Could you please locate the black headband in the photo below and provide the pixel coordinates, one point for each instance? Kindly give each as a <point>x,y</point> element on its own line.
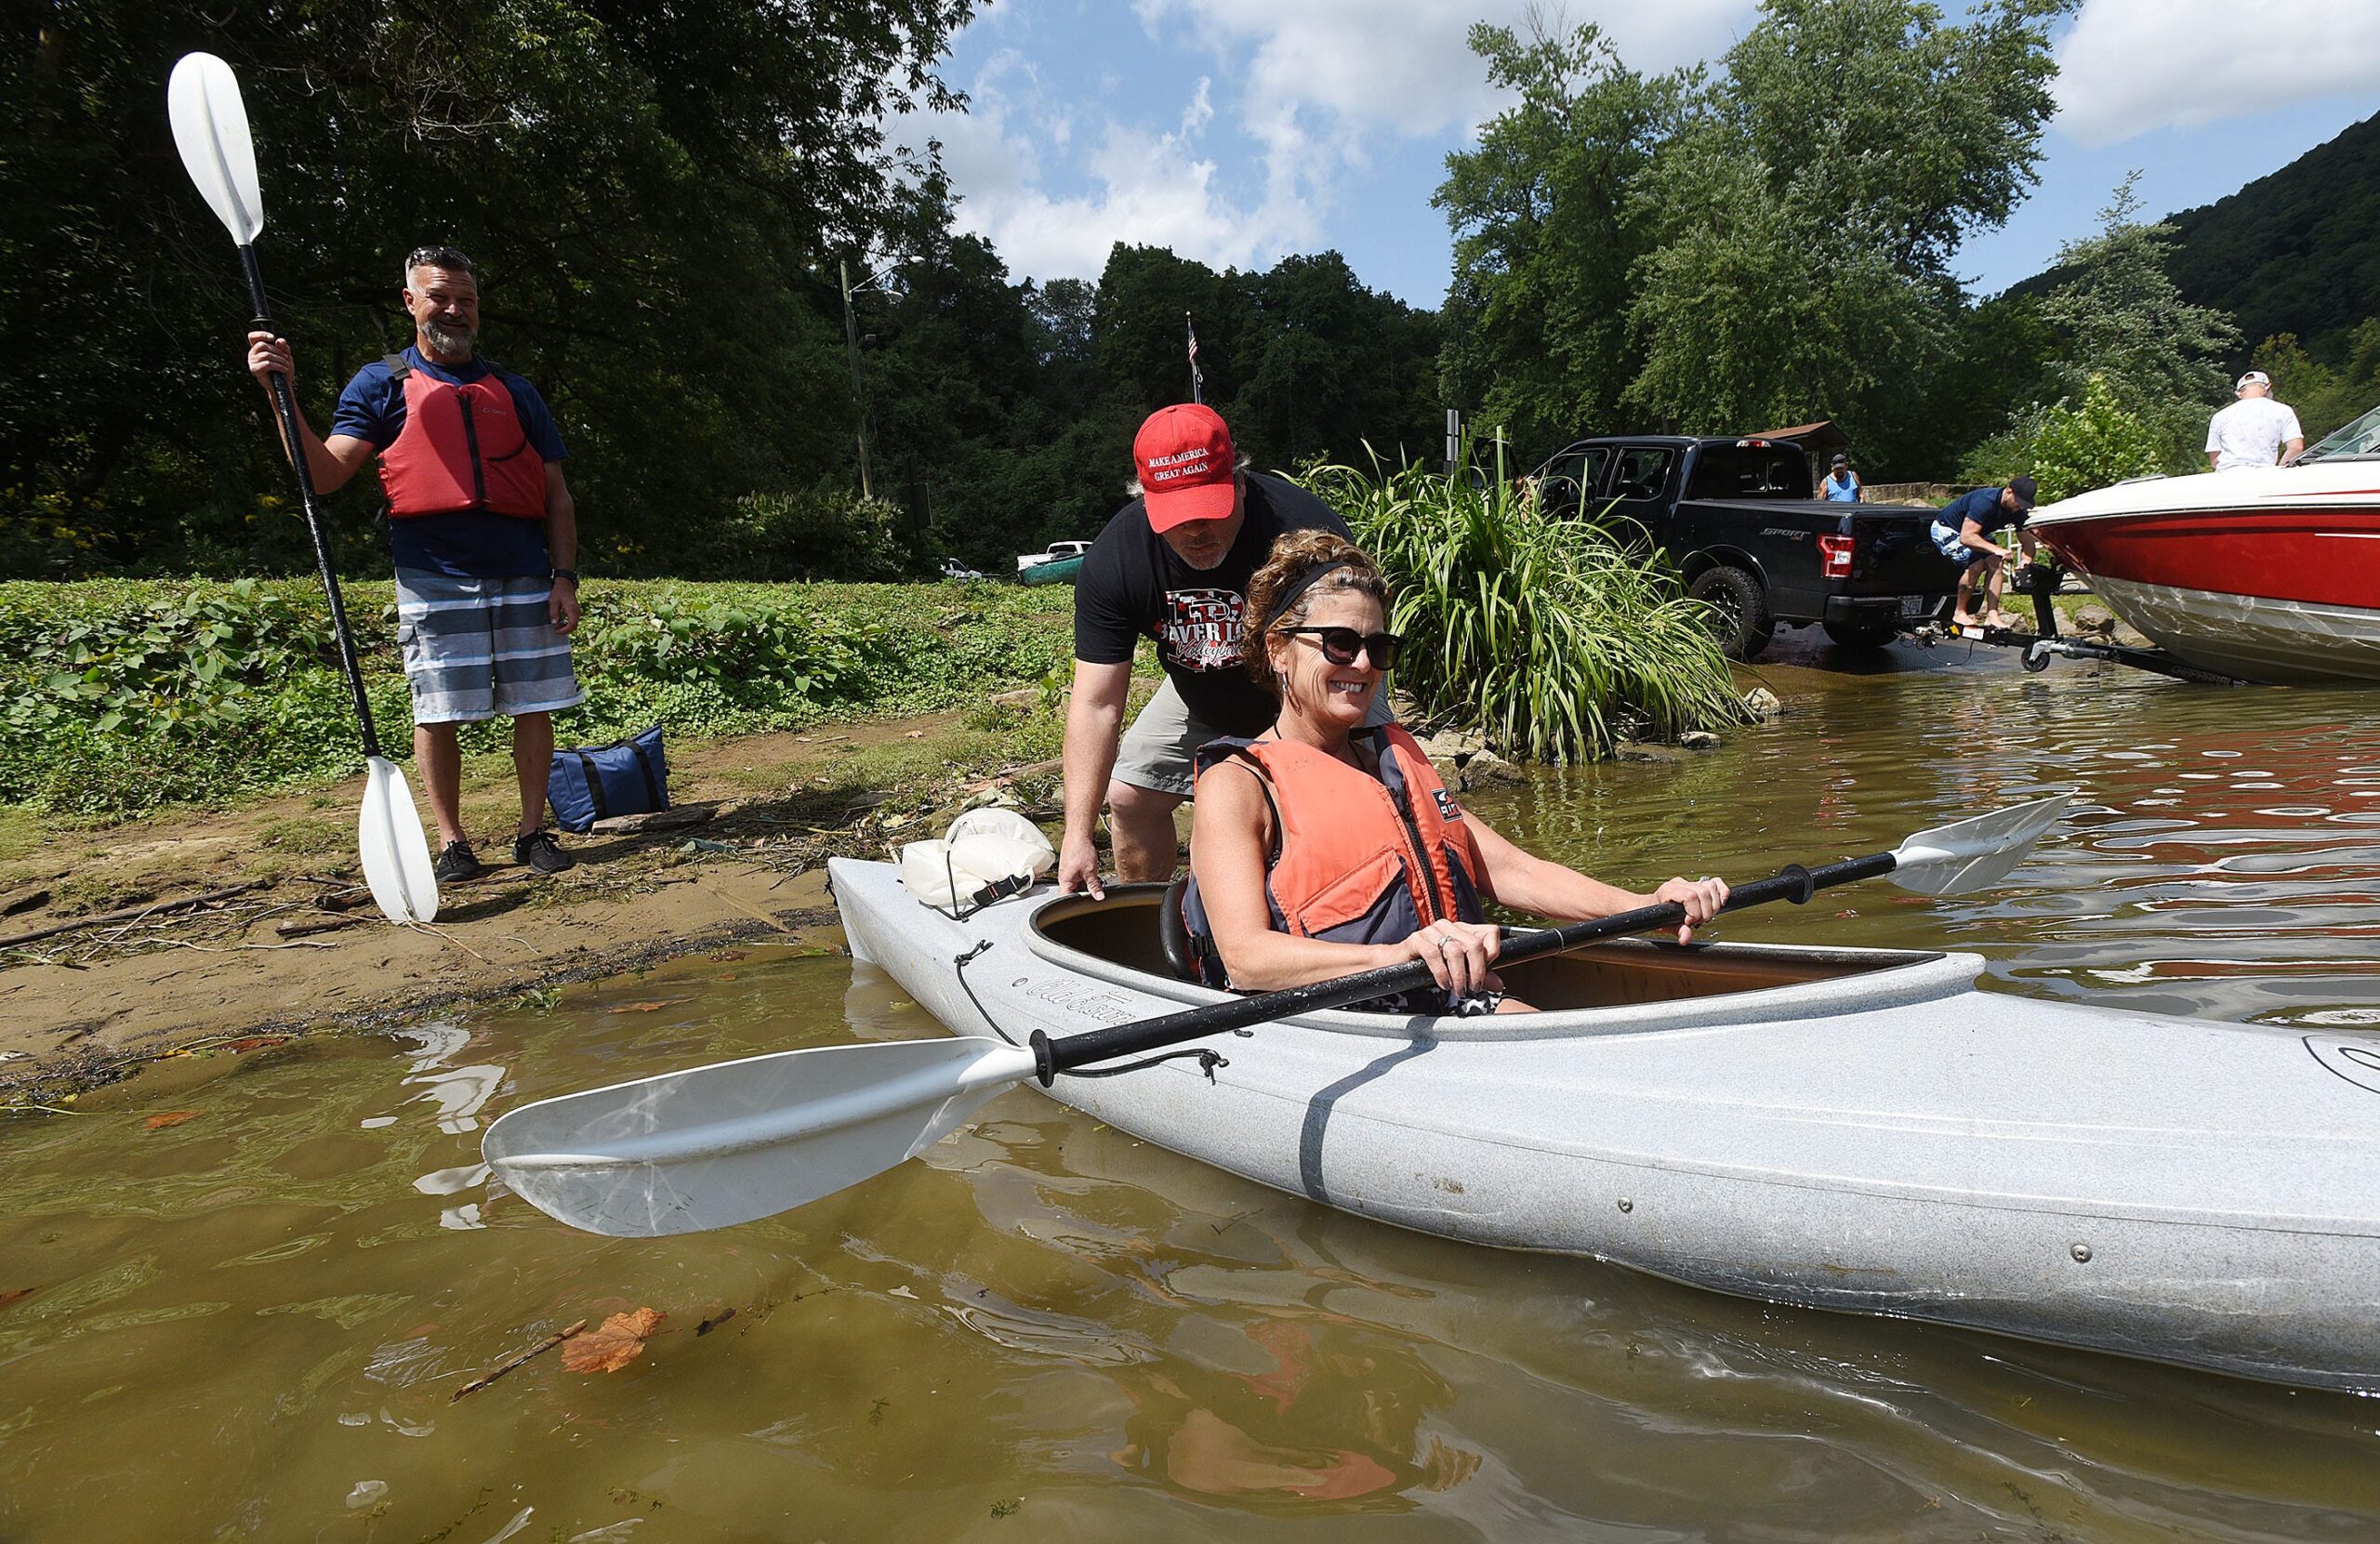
<point>1288,597</point>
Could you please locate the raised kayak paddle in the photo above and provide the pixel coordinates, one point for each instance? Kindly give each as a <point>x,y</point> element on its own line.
<point>211,129</point>
<point>738,1140</point>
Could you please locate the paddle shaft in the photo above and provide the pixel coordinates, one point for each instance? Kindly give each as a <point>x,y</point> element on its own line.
<point>287,405</point>
<point>1795,884</point>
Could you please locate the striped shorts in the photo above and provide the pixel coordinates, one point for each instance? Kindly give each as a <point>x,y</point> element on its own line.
<point>475,648</point>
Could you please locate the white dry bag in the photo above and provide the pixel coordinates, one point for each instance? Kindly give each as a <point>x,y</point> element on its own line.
<point>986,855</point>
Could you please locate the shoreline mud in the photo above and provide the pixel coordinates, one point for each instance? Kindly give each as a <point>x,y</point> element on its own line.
<point>207,929</point>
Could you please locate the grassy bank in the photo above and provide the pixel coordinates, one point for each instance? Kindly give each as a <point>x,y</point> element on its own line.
<point>121,696</point>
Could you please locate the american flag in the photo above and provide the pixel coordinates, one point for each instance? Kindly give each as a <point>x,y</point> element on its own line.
<point>1198,377</point>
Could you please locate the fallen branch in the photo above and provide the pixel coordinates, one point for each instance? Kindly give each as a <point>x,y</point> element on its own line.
<point>443,936</point>
<point>299,927</point>
<point>671,819</point>
<point>538,1350</point>
<point>132,913</point>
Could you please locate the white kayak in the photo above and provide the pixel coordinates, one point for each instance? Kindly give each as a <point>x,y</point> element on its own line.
<point>1852,1130</point>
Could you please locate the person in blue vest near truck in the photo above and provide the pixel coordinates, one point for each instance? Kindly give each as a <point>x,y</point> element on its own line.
<point>483,532</point>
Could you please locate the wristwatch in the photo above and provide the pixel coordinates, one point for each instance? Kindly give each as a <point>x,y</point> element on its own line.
<point>569,574</point>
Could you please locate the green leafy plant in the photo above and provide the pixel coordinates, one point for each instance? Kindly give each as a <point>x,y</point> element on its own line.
<point>1544,634</point>
<point>120,696</point>
<point>2071,449</point>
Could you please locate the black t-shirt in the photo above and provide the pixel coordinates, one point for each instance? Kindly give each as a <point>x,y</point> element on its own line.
<point>1133,586</point>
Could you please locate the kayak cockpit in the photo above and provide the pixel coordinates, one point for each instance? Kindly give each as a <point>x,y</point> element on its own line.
<point>1119,939</point>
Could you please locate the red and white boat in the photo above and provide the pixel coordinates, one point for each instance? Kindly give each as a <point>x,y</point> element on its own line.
<point>2266,575</point>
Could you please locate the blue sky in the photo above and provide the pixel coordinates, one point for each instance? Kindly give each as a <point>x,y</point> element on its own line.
<point>1239,131</point>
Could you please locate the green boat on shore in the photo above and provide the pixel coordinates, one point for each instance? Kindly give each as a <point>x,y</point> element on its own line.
<point>1057,566</point>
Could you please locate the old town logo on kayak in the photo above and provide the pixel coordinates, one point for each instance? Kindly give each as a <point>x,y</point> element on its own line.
<point>2360,1064</point>
<point>1201,628</point>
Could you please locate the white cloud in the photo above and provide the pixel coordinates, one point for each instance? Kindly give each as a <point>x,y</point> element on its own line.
<point>1311,85</point>
<point>1201,110</point>
<point>1139,186</point>
<point>2131,66</point>
<point>1406,64</point>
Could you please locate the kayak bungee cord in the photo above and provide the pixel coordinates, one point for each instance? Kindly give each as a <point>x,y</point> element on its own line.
<point>1208,1059</point>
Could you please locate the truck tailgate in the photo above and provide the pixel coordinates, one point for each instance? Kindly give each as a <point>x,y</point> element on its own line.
<point>1894,555</point>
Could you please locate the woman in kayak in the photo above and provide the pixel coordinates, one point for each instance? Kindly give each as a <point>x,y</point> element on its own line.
<point>1323,848</point>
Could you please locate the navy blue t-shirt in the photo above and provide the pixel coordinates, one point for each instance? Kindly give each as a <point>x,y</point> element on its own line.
<point>1982,505</point>
<point>471,544</point>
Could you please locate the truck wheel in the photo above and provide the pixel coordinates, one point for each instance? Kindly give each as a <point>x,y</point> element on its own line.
<point>1860,635</point>
<point>1743,624</point>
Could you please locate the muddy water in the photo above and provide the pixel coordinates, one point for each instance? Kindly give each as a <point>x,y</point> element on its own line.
<point>251,1321</point>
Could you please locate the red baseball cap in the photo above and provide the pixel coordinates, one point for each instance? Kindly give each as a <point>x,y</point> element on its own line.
<point>1183,460</point>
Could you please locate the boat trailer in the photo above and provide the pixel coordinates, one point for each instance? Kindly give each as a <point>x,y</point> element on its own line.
<point>2041,581</point>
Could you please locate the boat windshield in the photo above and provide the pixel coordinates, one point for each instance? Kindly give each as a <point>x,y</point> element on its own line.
<point>2358,441</point>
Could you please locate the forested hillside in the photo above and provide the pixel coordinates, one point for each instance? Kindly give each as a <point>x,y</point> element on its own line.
<point>2293,261</point>
<point>2295,252</point>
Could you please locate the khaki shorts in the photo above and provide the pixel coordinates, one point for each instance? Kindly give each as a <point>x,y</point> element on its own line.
<point>1158,745</point>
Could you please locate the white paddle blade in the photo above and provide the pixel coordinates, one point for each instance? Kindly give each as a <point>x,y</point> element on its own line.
<point>1972,854</point>
<point>396,855</point>
<point>211,128</point>
<point>718,1145</point>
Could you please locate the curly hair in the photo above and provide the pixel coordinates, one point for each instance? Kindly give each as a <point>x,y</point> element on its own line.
<point>1295,556</point>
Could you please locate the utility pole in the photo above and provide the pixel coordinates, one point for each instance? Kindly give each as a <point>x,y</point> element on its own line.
<point>859,393</point>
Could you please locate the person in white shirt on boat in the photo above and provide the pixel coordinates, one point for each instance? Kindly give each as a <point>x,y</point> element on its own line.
<point>2254,432</point>
<point>1327,844</point>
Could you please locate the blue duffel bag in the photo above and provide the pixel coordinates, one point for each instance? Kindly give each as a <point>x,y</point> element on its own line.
<point>591,783</point>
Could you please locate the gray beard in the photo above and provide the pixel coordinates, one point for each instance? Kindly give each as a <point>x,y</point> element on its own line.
<point>449,340</point>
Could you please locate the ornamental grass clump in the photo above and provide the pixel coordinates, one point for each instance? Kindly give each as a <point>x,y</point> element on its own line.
<point>1544,635</point>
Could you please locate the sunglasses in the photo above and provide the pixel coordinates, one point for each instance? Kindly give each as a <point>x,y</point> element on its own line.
<point>1341,645</point>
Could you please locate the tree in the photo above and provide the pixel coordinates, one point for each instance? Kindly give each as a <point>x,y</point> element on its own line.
<point>1546,230</point>
<point>2067,449</point>
<point>2120,319</point>
<point>1333,367</point>
<point>2325,398</point>
<point>649,192</point>
<point>1805,215</point>
<point>1768,244</point>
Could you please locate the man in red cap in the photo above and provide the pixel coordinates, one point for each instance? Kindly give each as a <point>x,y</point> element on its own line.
<point>1172,565</point>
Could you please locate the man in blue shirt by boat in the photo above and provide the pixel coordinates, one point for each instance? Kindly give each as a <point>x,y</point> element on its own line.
<point>484,533</point>
<point>1962,531</point>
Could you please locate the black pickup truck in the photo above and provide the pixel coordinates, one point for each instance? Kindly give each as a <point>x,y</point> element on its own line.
<point>1738,519</point>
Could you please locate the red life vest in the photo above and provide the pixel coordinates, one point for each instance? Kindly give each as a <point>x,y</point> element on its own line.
<point>1356,859</point>
<point>463,447</point>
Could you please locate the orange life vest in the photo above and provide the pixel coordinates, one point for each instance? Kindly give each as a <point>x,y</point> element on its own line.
<point>463,447</point>
<point>1356,859</point>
